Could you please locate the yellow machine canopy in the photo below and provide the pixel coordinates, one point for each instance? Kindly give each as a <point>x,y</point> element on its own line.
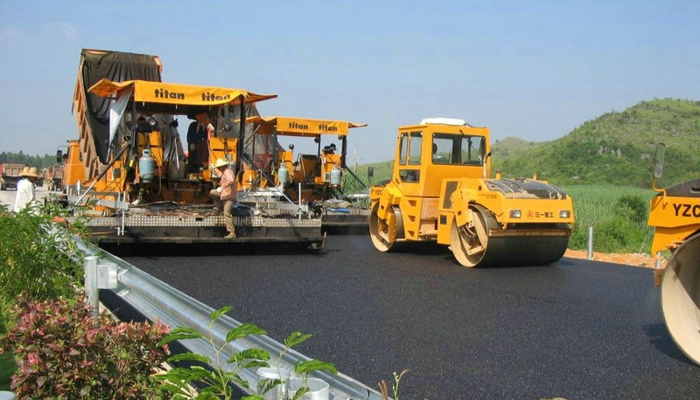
<point>302,126</point>
<point>176,97</point>
<point>168,98</point>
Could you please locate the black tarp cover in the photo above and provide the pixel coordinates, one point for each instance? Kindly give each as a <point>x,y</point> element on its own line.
<point>119,67</point>
<point>115,66</point>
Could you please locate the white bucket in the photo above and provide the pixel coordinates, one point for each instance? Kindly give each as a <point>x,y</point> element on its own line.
<point>7,395</point>
<point>318,388</point>
<point>282,374</point>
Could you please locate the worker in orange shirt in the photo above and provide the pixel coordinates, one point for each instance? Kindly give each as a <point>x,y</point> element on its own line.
<point>226,194</point>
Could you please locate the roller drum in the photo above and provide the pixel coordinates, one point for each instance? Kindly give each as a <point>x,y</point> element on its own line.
<point>505,250</point>
<point>680,297</point>
<point>385,232</point>
<point>520,251</point>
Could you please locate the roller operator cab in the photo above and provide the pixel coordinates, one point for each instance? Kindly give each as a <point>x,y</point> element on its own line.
<point>675,215</point>
<point>440,191</point>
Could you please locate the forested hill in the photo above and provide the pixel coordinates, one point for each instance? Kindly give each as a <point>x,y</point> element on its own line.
<point>616,148</point>
<point>34,161</point>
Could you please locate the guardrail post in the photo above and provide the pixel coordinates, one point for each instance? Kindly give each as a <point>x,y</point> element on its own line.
<point>590,242</point>
<point>91,291</point>
<point>98,276</point>
<point>658,270</point>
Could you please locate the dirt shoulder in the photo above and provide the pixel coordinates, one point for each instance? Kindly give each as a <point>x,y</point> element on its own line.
<point>634,259</point>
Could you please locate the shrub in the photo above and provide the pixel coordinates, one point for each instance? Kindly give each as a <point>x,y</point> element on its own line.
<point>64,353</point>
<point>38,259</point>
<point>618,215</point>
<point>632,207</point>
<point>618,234</point>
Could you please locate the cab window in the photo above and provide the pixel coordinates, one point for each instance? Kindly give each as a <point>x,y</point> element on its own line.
<point>404,150</point>
<point>443,149</point>
<point>473,150</point>
<point>410,155</point>
<point>415,146</point>
<point>458,150</point>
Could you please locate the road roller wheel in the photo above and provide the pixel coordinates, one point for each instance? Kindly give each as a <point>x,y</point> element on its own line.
<point>383,231</point>
<point>469,244</point>
<point>472,246</point>
<point>680,297</point>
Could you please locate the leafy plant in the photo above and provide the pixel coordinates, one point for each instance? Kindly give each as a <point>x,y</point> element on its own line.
<point>38,258</point>
<point>618,234</point>
<point>632,207</point>
<point>64,353</point>
<point>217,381</point>
<point>210,372</point>
<point>38,261</point>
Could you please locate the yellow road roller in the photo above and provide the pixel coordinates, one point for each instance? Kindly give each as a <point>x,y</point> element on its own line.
<point>675,214</point>
<point>440,190</point>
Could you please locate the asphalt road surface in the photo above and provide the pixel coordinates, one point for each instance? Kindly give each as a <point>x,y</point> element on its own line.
<point>577,329</point>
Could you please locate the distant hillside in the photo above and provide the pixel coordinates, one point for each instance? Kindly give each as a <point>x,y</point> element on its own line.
<point>616,148</point>
<point>511,147</point>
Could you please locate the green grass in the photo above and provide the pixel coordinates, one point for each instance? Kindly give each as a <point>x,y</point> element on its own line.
<point>381,170</point>
<point>596,203</point>
<point>613,229</point>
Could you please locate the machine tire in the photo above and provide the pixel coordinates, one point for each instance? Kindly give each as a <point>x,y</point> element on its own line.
<point>380,231</point>
<point>460,242</point>
<point>680,297</point>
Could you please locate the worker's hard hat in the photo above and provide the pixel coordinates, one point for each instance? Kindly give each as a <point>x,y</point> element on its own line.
<point>221,162</point>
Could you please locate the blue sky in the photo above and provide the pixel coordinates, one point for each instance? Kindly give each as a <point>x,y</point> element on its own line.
<point>530,69</point>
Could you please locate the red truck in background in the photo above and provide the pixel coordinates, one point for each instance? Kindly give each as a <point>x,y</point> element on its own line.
<point>10,174</point>
<point>53,177</point>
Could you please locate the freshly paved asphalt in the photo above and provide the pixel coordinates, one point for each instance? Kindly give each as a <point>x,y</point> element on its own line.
<point>577,329</point>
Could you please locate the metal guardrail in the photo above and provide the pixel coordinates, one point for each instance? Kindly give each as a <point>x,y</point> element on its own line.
<point>157,300</point>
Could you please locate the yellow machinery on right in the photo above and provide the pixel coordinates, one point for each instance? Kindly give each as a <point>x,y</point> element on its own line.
<point>675,215</point>
<point>440,190</point>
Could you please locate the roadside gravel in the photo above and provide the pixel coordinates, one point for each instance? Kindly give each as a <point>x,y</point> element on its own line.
<point>633,259</point>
